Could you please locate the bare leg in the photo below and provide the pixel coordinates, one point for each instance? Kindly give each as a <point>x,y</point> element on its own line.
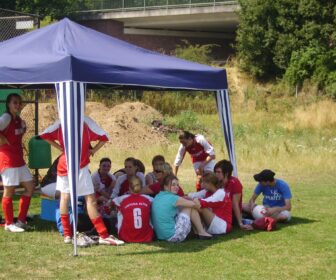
<point>91,205</point>
<point>207,216</point>
<point>64,203</point>
<point>29,188</point>
<point>197,223</point>
<point>9,192</point>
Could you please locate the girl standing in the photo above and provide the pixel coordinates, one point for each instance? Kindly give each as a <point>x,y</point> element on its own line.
<point>13,169</point>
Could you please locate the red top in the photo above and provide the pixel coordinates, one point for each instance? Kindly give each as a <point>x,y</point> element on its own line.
<point>91,132</point>
<point>11,155</point>
<point>134,218</point>
<point>220,204</point>
<point>156,188</point>
<point>234,186</point>
<point>199,150</point>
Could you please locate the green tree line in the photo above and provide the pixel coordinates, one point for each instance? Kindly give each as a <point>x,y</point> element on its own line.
<point>291,40</point>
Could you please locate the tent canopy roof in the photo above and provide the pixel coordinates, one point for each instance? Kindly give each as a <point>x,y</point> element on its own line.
<point>68,51</point>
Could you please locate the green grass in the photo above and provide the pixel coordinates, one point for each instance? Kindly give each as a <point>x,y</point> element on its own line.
<point>303,249</point>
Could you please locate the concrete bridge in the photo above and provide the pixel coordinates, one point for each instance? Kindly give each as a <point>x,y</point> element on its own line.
<point>162,27</point>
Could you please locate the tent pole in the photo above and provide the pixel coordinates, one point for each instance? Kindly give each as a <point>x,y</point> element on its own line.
<point>224,112</point>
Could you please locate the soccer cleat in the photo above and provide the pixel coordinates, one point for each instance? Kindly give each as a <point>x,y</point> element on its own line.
<point>13,228</point>
<point>22,225</point>
<point>90,240</point>
<point>67,239</point>
<point>111,240</point>
<point>82,241</point>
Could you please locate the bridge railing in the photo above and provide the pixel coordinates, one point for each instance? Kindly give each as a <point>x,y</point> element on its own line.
<point>129,5</point>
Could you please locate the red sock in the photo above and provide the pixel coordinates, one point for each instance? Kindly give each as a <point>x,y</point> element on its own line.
<point>100,227</point>
<point>198,186</point>
<point>7,208</point>
<point>65,220</point>
<point>23,208</point>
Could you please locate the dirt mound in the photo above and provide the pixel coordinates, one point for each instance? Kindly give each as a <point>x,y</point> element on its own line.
<point>128,124</point>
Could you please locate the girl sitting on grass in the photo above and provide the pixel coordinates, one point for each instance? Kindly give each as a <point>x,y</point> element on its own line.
<point>161,172</point>
<point>172,215</point>
<point>132,168</point>
<point>134,214</point>
<point>214,205</point>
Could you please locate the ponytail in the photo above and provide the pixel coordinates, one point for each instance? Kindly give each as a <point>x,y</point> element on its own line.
<point>135,184</point>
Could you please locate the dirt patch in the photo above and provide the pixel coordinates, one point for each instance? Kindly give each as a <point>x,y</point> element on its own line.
<point>128,124</point>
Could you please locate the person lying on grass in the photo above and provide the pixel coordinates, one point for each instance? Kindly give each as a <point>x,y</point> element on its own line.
<point>277,196</point>
<point>172,215</point>
<point>134,214</point>
<point>223,170</point>
<point>91,132</point>
<point>161,172</point>
<point>214,205</point>
<point>157,163</point>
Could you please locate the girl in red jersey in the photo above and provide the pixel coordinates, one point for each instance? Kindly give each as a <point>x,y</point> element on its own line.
<point>216,206</point>
<point>157,162</point>
<point>13,169</point>
<point>91,132</point>
<point>201,152</point>
<point>134,212</point>
<point>122,183</point>
<point>161,172</point>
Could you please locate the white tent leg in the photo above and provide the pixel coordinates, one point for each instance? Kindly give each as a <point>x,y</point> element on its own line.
<point>70,100</point>
<point>224,112</point>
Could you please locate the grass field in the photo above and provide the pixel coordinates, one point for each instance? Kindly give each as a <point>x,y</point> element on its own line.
<point>302,154</point>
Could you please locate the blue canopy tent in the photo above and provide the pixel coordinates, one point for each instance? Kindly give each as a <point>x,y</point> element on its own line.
<point>73,58</point>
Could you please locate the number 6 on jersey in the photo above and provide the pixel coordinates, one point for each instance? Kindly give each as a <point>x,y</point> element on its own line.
<point>137,218</point>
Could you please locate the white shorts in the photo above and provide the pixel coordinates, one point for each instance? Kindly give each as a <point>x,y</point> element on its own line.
<point>14,176</point>
<point>217,226</point>
<point>208,167</point>
<point>85,185</point>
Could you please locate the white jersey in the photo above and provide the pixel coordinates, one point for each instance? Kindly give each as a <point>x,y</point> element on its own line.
<point>97,183</point>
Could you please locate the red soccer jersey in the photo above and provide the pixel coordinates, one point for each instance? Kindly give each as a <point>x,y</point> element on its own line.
<point>11,155</point>
<point>220,204</point>
<point>156,188</point>
<point>232,187</point>
<point>91,132</point>
<point>134,217</point>
<point>199,150</point>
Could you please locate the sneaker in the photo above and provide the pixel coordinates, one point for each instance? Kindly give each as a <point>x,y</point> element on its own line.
<point>13,228</point>
<point>111,240</point>
<point>22,225</point>
<point>67,239</point>
<point>91,241</point>
<point>82,241</point>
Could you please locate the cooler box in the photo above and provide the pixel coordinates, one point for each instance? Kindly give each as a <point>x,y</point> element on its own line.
<point>48,208</point>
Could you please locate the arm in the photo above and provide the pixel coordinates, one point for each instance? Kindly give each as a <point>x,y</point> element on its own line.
<point>252,200</point>
<point>147,190</point>
<point>185,203</point>
<point>208,148</point>
<point>179,158</point>
<point>199,195</point>
<point>149,179</point>
<point>97,147</point>
<point>271,211</point>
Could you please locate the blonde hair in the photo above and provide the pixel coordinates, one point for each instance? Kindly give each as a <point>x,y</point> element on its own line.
<point>211,178</point>
<point>135,184</point>
<point>166,168</point>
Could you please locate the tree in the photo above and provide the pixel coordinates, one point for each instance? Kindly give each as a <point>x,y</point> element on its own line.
<point>290,39</point>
